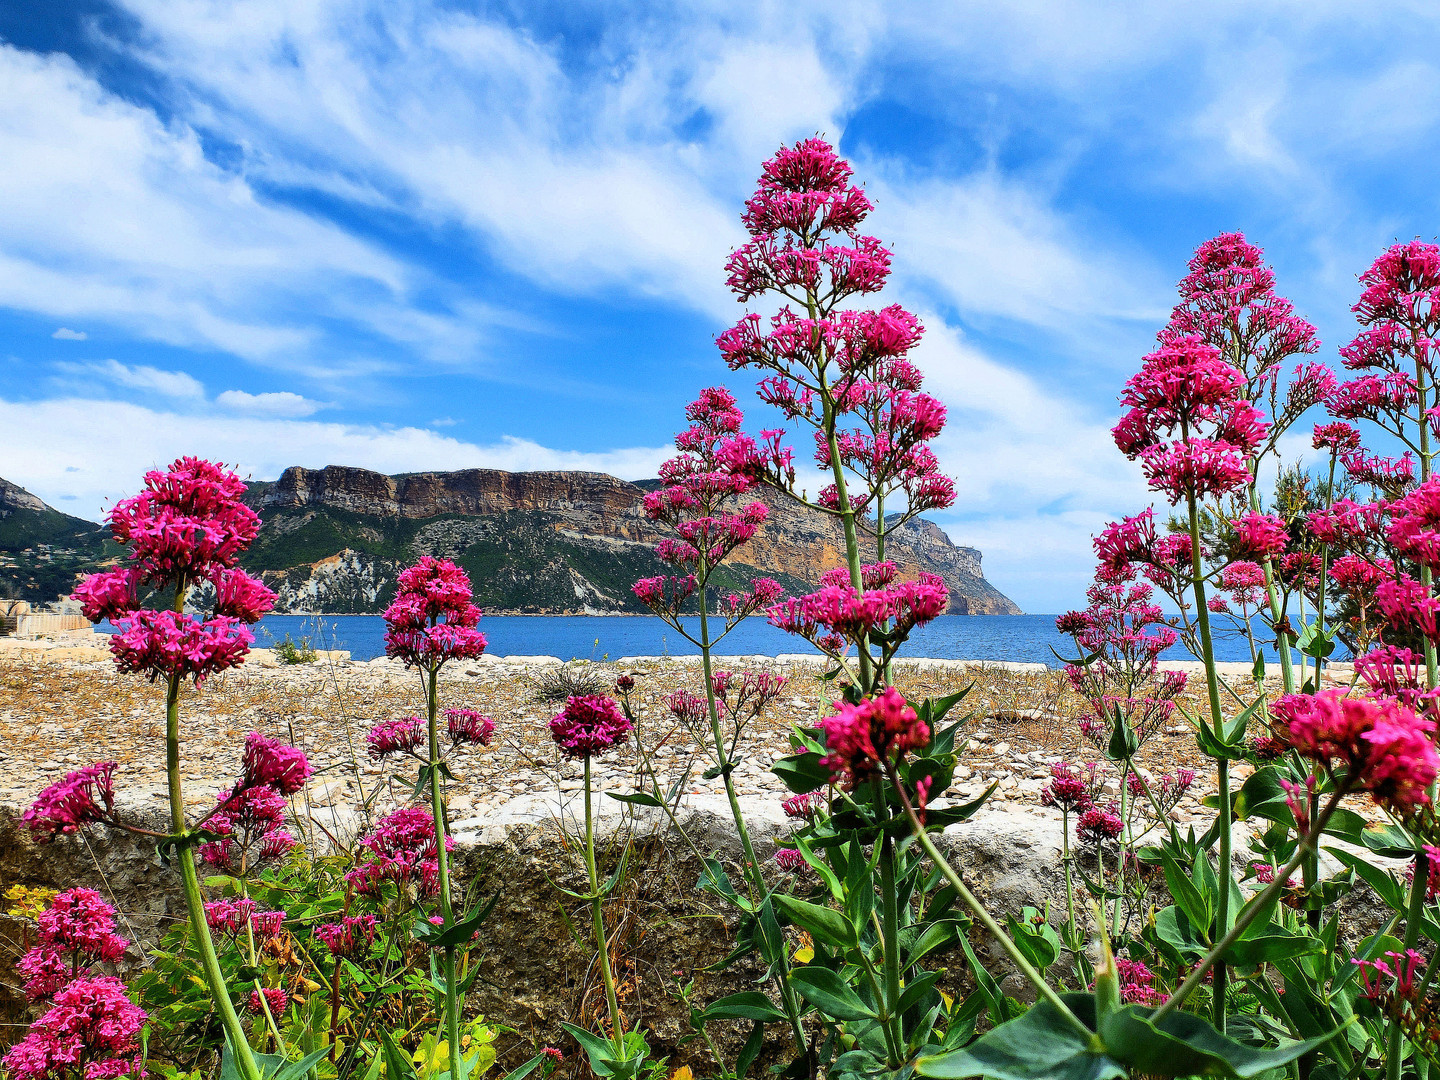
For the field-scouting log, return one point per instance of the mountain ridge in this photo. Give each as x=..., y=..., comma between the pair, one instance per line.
x=582, y=537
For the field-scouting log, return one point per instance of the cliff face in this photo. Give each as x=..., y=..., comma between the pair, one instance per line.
x=334, y=538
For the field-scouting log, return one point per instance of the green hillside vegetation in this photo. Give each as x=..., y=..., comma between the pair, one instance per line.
x=43, y=551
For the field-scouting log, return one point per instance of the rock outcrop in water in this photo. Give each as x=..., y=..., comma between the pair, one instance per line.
x=541, y=542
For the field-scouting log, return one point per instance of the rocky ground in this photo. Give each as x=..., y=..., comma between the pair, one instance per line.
x=64, y=706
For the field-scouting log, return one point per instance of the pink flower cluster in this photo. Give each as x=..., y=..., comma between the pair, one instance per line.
x=389, y=737
x=1415, y=525
x=859, y=739
x=276, y=1000
x=1394, y=981
x=838, y=612
x=352, y=936
x=1260, y=536
x=801, y=806
x=1396, y=672
x=745, y=694
x=1137, y=984
x=402, y=849
x=186, y=528
x=235, y=917
x=466, y=727
x=250, y=818
x=165, y=644
x=589, y=725
x=1070, y=789
x=80, y=798
x=432, y=618
x=74, y=933
x=1229, y=296
x=1099, y=824
x=790, y=860
x=91, y=1030
x=1382, y=746
x=1188, y=422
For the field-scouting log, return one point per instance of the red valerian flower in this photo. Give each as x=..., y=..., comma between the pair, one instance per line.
x=468, y=727
x=859, y=738
x=80, y=798
x=1260, y=536
x=589, y=725
x=1382, y=746
x=274, y=764
x=92, y=1030
x=432, y=618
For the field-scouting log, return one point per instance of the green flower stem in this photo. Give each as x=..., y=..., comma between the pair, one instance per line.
x=1413, y=919
x=754, y=881
x=194, y=900
x=1222, y=765
x=597, y=918
x=890, y=927
x=1044, y=989
x=1272, y=594
x=1248, y=913
x=1067, y=859
x=437, y=808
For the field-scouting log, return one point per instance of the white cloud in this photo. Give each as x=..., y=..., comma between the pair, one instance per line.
x=109, y=445
x=66, y=334
x=120, y=217
x=149, y=380
x=281, y=403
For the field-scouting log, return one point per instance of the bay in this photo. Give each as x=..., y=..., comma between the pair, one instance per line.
x=600, y=637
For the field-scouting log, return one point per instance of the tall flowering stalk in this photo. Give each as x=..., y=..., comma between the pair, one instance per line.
x=432, y=621
x=1228, y=300
x=185, y=531
x=590, y=725
x=1396, y=391
x=843, y=373
x=702, y=505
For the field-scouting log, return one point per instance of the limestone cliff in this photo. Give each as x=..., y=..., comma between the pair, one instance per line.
x=550, y=542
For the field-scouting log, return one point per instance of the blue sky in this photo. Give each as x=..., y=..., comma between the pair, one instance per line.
x=431, y=236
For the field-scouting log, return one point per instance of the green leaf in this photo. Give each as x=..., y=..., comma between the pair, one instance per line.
x=1257, y=672
x=601, y=1052
x=1178, y=931
x=1123, y=740
x=635, y=798
x=1185, y=1045
x=915, y=991
x=297, y=1069
x=1038, y=949
x=802, y=773
x=1040, y=1045
x=1316, y=641
x=1185, y=893
x=1251, y=952
x=830, y=994
x=750, y=1005
x=398, y=1064
x=1385, y=884
x=526, y=1069
x=824, y=924
x=751, y=1050
x=1390, y=841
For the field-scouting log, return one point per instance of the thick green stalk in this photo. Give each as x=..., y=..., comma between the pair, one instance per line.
x=437, y=808
x=194, y=901
x=847, y=518
x=1413, y=919
x=1067, y=859
x=1222, y=765
x=890, y=927
x=752, y=865
x=597, y=917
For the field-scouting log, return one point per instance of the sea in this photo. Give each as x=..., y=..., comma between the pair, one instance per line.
x=608, y=637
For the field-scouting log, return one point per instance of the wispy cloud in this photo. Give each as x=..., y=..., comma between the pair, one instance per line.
x=141, y=377
x=66, y=334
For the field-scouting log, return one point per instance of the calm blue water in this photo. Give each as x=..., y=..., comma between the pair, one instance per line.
x=587, y=637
